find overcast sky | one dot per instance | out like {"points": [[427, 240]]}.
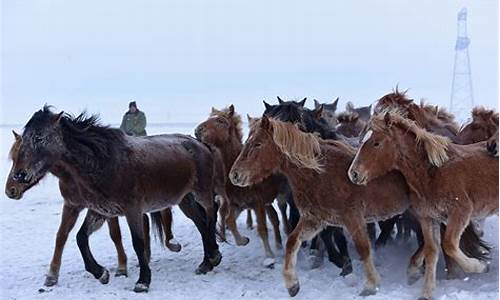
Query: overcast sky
{"points": [[179, 58]]}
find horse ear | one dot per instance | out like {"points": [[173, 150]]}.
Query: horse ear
{"points": [[231, 110], [58, 117], [17, 136], [264, 123], [349, 106], [335, 102], [266, 105], [279, 100], [318, 112], [303, 102], [316, 104]]}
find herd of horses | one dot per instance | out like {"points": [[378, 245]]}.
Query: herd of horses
{"points": [[398, 163]]}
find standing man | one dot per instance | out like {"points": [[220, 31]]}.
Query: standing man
{"points": [[134, 121]]}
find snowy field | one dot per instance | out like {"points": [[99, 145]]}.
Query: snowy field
{"points": [[27, 234]]}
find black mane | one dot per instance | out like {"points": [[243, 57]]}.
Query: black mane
{"points": [[290, 111], [94, 147]]}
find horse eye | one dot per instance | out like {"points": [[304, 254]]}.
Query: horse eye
{"points": [[258, 145], [376, 144], [220, 121], [37, 139]]}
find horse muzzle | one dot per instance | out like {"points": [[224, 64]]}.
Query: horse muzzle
{"points": [[357, 177], [13, 192], [238, 179]]}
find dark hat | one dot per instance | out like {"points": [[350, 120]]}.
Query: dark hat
{"points": [[132, 104]]}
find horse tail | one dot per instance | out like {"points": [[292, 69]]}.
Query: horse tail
{"points": [[158, 226], [473, 246]]}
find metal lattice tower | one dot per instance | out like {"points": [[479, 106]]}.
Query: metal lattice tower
{"points": [[462, 100]]}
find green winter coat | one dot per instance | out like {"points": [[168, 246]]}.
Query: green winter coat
{"points": [[134, 123]]}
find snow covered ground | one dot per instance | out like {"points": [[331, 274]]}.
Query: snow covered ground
{"points": [[27, 235]]}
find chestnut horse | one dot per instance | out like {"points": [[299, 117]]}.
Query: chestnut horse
{"points": [[317, 172], [223, 131], [436, 120], [113, 174], [453, 183]]}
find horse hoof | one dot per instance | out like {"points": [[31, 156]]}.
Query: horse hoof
{"points": [[204, 268], [316, 262], [293, 291], [486, 268], [173, 245], [50, 280], [215, 261], [121, 272], [243, 241], [368, 292], [104, 279], [424, 298], [412, 278], [346, 269], [269, 262], [141, 288]]}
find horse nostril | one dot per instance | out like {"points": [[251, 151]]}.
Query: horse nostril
{"points": [[234, 176], [354, 175]]}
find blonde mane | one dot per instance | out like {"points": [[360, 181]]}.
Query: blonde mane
{"points": [[235, 119], [435, 146], [302, 149]]}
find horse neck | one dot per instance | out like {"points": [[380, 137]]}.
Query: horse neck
{"points": [[230, 151], [415, 168]]}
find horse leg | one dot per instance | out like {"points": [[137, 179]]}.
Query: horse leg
{"points": [[284, 218], [385, 231], [260, 212], [453, 270], [167, 220], [68, 220], [136, 225], [372, 231], [93, 221], [356, 226], [196, 213], [431, 233], [231, 224], [116, 237], [341, 242], [458, 219], [415, 267], [147, 238], [305, 230], [249, 219], [225, 206], [275, 221]]}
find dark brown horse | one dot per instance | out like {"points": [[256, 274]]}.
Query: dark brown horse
{"points": [[317, 172], [112, 175], [453, 184], [431, 118], [223, 131], [69, 216], [483, 126], [350, 125], [328, 111]]}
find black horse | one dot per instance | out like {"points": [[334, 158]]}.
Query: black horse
{"points": [[112, 174]]}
